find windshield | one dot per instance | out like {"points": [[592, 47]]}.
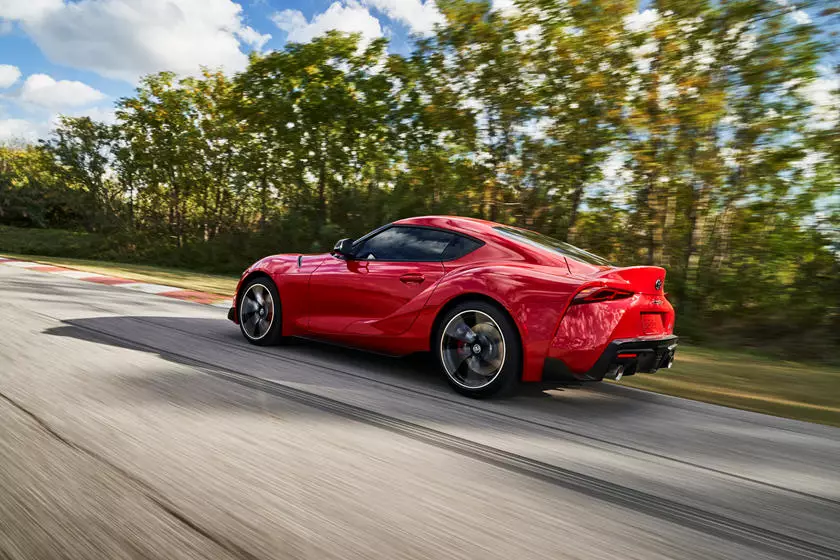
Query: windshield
{"points": [[546, 242]]}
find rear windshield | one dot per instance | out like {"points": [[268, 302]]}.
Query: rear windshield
{"points": [[546, 242]]}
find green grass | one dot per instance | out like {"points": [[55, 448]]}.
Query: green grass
{"points": [[735, 379], [211, 283], [745, 381]]}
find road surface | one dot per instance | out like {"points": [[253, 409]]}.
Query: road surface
{"points": [[135, 426]]}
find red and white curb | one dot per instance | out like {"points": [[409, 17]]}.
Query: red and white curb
{"points": [[157, 289]]}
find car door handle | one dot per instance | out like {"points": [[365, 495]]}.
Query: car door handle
{"points": [[412, 278]]}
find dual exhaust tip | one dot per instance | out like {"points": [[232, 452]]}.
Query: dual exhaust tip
{"points": [[617, 371]]}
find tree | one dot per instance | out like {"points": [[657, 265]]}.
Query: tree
{"points": [[690, 135], [82, 147]]}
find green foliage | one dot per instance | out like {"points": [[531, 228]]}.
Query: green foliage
{"points": [[689, 142], [34, 192], [56, 242]]}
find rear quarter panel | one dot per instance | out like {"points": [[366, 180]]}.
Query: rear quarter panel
{"points": [[587, 329], [535, 296]]}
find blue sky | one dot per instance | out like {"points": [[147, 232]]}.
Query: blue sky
{"points": [[78, 56]]}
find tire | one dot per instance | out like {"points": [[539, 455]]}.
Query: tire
{"points": [[260, 318], [485, 358]]}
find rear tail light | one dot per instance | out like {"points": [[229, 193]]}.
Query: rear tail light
{"points": [[596, 294]]}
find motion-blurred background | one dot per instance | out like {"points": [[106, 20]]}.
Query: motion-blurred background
{"points": [[155, 148], [702, 136]]}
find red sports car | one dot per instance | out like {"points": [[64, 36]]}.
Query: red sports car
{"points": [[495, 304]]}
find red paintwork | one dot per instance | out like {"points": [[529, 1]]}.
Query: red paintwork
{"points": [[366, 304]]}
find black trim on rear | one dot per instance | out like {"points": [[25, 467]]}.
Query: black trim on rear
{"points": [[651, 354]]}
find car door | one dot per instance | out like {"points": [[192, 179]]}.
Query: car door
{"points": [[382, 289]]}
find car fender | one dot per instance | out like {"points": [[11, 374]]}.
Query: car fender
{"points": [[259, 266], [290, 273]]}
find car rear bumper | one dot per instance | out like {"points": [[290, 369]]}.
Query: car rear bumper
{"points": [[620, 357]]}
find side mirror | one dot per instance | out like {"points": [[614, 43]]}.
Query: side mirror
{"points": [[344, 248]]}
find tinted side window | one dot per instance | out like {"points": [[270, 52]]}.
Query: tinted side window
{"points": [[400, 243], [459, 247]]}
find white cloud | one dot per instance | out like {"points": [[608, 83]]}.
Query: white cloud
{"points": [[707, 54], [289, 20], [747, 44], [18, 130], [43, 91], [252, 37], [640, 21], [349, 17], [537, 129], [106, 115], [531, 34], [667, 89], [125, 39], [809, 163], [27, 9], [822, 93], [642, 55], [27, 131], [418, 15], [615, 176], [800, 18], [506, 7], [8, 75]]}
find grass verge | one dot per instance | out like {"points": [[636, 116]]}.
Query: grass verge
{"points": [[749, 382], [212, 283], [734, 379]]}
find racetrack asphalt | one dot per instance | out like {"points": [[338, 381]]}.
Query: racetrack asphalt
{"points": [[135, 426]]}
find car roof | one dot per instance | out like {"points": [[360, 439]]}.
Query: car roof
{"points": [[486, 232], [469, 226]]}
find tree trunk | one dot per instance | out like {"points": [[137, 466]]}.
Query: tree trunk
{"points": [[263, 201], [577, 196], [725, 221], [725, 225], [655, 210], [205, 211], [669, 219], [222, 187], [697, 238], [654, 230], [131, 203], [179, 218], [489, 210], [322, 191]]}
